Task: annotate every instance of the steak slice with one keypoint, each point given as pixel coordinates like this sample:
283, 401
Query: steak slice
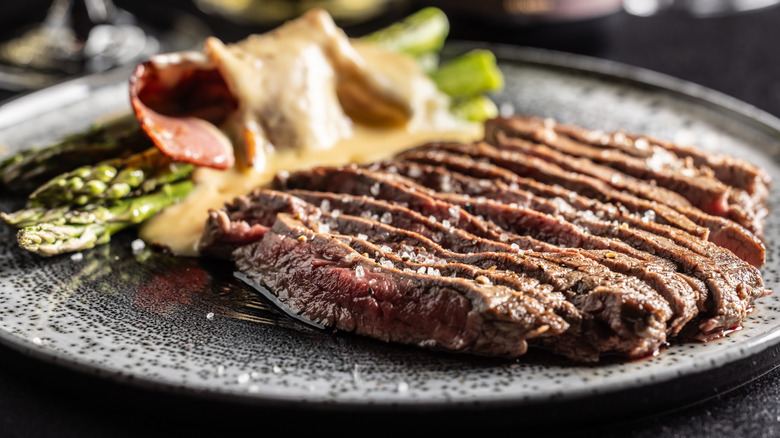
684, 294
733, 284
700, 187
627, 305
682, 299
729, 170
326, 281
730, 293
441, 180
723, 232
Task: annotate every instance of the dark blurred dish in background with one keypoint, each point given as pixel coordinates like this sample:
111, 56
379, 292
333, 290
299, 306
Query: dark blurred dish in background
77, 37
530, 12
43, 42
272, 12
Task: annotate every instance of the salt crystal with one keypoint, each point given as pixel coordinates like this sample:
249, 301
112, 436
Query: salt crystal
386, 218
362, 236
77, 257
243, 378
137, 245
506, 109
374, 189
325, 205
323, 228
360, 272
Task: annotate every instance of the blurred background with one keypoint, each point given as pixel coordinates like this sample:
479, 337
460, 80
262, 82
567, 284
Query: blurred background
727, 45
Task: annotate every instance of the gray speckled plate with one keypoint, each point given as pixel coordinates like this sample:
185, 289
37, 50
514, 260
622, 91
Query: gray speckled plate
133, 315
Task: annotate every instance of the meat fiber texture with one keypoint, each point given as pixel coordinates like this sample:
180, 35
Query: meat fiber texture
542, 236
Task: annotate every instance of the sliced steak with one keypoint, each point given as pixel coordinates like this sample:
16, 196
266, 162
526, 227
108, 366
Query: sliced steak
682, 298
328, 282
699, 186
729, 170
722, 231
542, 235
635, 314
730, 293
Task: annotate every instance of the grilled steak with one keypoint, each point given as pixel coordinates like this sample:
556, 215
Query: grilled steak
600, 311
544, 235
731, 288
697, 183
721, 230
353, 293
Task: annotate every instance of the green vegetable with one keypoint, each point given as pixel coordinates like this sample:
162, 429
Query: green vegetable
474, 108
111, 179
76, 230
470, 74
23, 172
418, 34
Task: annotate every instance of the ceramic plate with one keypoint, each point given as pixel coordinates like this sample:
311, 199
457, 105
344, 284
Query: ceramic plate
130, 314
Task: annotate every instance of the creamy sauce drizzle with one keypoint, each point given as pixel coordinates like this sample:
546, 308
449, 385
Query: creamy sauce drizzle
180, 227
245, 67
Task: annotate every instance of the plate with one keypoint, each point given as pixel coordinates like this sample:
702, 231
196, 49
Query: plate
135, 316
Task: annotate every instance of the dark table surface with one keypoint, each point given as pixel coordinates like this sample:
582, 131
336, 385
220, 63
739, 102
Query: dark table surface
736, 55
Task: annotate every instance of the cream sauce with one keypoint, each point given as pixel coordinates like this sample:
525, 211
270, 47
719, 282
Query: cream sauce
180, 227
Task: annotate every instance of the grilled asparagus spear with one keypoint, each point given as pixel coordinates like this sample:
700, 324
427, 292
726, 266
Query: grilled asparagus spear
21, 173
111, 179
94, 225
419, 34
